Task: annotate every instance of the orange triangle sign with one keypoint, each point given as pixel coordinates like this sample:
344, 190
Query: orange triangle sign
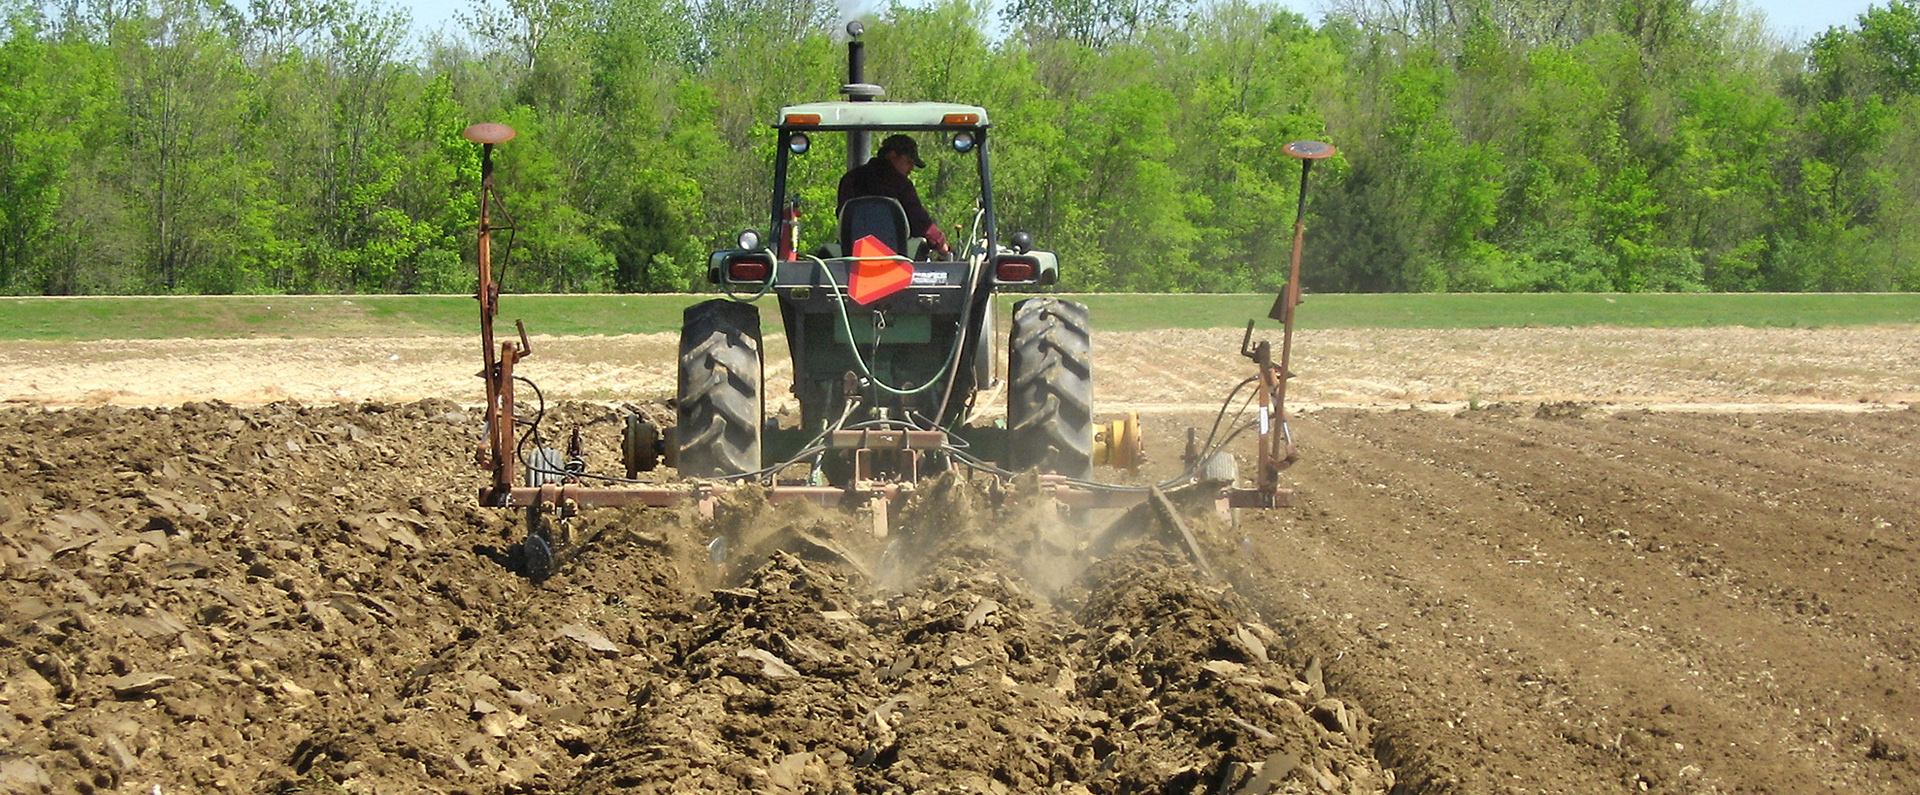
878, 272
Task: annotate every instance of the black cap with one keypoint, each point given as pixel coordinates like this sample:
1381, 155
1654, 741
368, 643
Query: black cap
904, 144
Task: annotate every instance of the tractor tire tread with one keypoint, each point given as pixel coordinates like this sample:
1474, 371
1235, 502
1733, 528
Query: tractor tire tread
1050, 387
720, 399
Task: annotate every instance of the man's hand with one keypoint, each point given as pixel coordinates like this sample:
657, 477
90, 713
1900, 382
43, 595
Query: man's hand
938, 240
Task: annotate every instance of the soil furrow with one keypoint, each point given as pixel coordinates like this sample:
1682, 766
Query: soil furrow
1505, 540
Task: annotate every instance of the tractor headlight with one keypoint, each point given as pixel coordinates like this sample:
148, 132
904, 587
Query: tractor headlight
963, 141
798, 143
749, 240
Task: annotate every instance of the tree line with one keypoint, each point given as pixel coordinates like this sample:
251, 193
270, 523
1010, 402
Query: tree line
313, 146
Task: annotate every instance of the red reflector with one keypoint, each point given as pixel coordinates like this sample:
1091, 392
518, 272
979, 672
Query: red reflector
748, 270
1013, 270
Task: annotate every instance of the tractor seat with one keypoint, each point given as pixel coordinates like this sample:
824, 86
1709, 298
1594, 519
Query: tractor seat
880, 216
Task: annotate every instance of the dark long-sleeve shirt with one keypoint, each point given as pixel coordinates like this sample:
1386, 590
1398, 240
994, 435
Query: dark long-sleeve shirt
879, 178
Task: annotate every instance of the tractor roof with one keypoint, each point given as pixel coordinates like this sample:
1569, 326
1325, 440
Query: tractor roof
882, 116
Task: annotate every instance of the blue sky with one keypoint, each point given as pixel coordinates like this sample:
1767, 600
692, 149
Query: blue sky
1809, 18
1794, 20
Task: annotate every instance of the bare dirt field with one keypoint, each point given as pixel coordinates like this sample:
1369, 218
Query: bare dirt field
1536, 560
1720, 368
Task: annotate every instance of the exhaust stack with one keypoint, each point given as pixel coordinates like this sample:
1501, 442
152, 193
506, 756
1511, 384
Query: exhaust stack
857, 89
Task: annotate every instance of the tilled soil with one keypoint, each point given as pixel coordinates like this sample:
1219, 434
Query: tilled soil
294, 598
1562, 596
1546, 599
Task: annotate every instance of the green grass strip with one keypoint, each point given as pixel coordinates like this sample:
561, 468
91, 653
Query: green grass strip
1506, 310
333, 316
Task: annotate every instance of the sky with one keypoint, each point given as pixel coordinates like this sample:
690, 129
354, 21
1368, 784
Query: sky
1799, 20
1795, 20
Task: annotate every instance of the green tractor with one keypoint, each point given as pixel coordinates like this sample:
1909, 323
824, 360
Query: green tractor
893, 344
892, 340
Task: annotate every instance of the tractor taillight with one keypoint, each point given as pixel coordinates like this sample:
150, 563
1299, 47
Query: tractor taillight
748, 269
1014, 269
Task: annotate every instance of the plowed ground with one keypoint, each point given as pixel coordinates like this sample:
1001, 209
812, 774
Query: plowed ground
1543, 586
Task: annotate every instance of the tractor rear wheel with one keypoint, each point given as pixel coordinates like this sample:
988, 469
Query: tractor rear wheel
1050, 388
720, 402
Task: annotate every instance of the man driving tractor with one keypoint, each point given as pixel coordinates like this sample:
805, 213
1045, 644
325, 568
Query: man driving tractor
886, 175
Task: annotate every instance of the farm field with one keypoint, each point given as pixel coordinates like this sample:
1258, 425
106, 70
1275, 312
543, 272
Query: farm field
1539, 560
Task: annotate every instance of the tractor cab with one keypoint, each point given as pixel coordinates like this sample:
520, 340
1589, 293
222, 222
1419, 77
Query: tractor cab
956, 172
955, 188
887, 330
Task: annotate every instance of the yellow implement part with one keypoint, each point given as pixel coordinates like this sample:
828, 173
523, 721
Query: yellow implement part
1117, 444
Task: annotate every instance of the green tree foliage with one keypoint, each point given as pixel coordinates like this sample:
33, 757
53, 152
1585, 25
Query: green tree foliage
192, 173
50, 95
1851, 209
1499, 145
1259, 78
1092, 23
1724, 183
